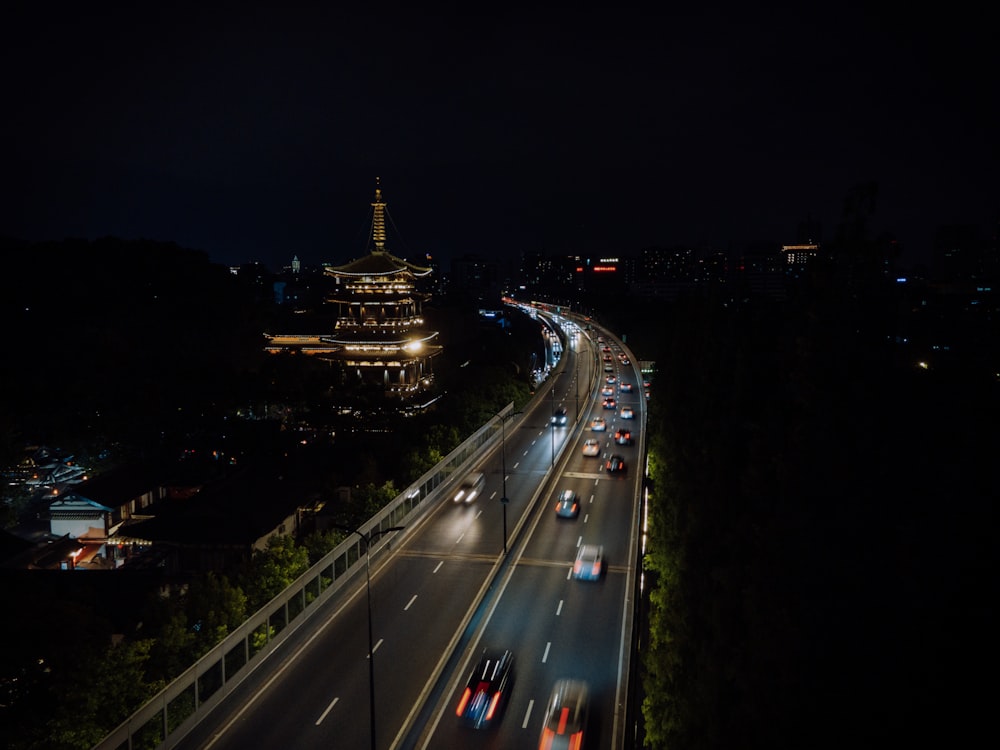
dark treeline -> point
(820, 525)
(121, 340)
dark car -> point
(486, 692)
(623, 436)
(565, 716)
(559, 417)
(567, 506)
(615, 464)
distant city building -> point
(602, 276)
(667, 272)
(960, 252)
(476, 276)
(760, 271)
(797, 257)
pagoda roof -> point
(378, 263)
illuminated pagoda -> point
(379, 337)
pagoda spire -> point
(378, 221)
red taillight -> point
(493, 706)
(576, 741)
(576, 567)
(461, 704)
(547, 737)
(563, 718)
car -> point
(612, 379)
(470, 488)
(623, 436)
(487, 689)
(623, 359)
(607, 357)
(627, 412)
(567, 506)
(559, 417)
(609, 403)
(615, 464)
(565, 716)
(589, 563)
(625, 387)
(591, 448)
(607, 391)
(608, 367)
(598, 424)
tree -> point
(215, 608)
(116, 687)
(319, 543)
(271, 571)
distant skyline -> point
(259, 135)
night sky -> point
(257, 133)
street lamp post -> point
(552, 427)
(576, 378)
(503, 470)
(368, 539)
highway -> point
(447, 590)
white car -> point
(627, 412)
(470, 488)
(598, 424)
(591, 448)
(589, 565)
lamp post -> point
(368, 539)
(503, 469)
(552, 427)
(576, 378)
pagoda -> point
(379, 337)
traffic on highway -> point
(472, 646)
